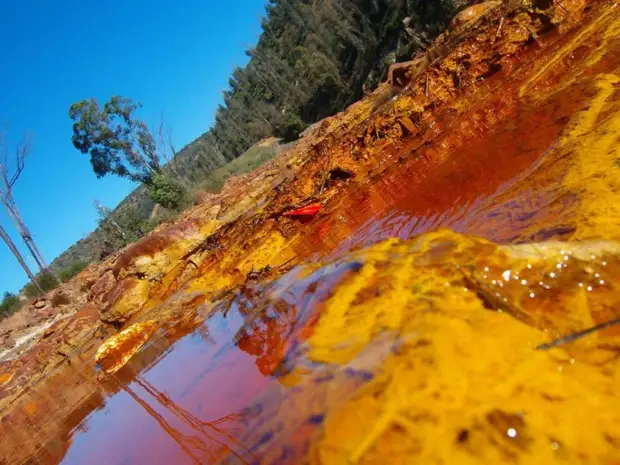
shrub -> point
(46, 280)
(60, 299)
(9, 305)
(118, 229)
(166, 191)
(70, 271)
(290, 127)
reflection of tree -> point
(200, 446)
(266, 335)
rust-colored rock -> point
(138, 257)
(40, 304)
(101, 287)
(126, 298)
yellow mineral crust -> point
(464, 381)
(114, 353)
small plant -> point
(290, 127)
(166, 191)
(70, 271)
(9, 305)
(46, 280)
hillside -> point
(87, 249)
(311, 61)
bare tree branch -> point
(8, 178)
(167, 150)
(21, 152)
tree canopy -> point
(312, 60)
(117, 142)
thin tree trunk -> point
(13, 212)
(11, 245)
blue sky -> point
(172, 56)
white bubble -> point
(512, 433)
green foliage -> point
(250, 160)
(46, 280)
(117, 142)
(9, 305)
(290, 127)
(70, 271)
(312, 60)
(167, 192)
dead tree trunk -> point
(7, 181)
(13, 212)
(11, 245)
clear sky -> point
(172, 56)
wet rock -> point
(116, 351)
(409, 127)
(124, 300)
(157, 252)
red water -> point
(459, 182)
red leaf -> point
(309, 210)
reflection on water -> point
(473, 179)
(201, 391)
(177, 411)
